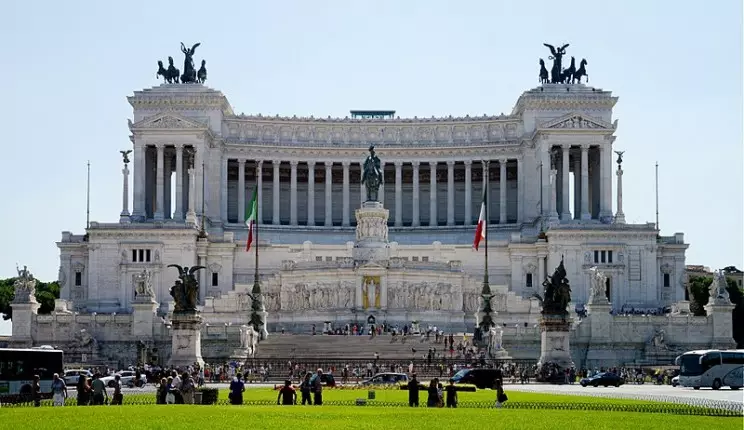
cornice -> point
(564, 97)
(176, 97)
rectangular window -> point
(141, 255)
(78, 279)
(147, 255)
(609, 257)
(215, 279)
(667, 282)
(318, 258)
(134, 256)
(603, 256)
(528, 280)
(329, 258)
(596, 256)
(414, 258)
(424, 258)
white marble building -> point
(195, 160)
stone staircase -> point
(339, 346)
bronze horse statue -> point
(568, 73)
(543, 73)
(170, 75)
(581, 71)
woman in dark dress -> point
(432, 400)
(83, 391)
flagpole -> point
(87, 202)
(486, 286)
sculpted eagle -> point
(125, 155)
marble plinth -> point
(555, 350)
(371, 232)
(186, 339)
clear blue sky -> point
(68, 66)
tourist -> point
(432, 399)
(83, 391)
(187, 389)
(305, 388)
(36, 391)
(99, 390)
(451, 394)
(318, 388)
(288, 395)
(117, 397)
(500, 395)
(413, 391)
(162, 392)
(59, 390)
(237, 387)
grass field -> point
(336, 417)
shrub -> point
(209, 395)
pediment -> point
(167, 121)
(573, 121)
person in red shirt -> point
(287, 394)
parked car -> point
(605, 379)
(72, 375)
(386, 379)
(126, 378)
(482, 378)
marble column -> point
(362, 188)
(450, 193)
(502, 191)
(124, 217)
(191, 211)
(565, 168)
(259, 196)
(328, 194)
(167, 175)
(138, 196)
(293, 193)
(311, 193)
(620, 215)
(381, 192)
(178, 215)
(553, 216)
(605, 163)
(223, 189)
(241, 191)
(577, 188)
(520, 190)
(159, 183)
(275, 212)
(398, 193)
(345, 195)
(433, 194)
(486, 165)
(468, 192)
(415, 198)
(585, 215)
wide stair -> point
(349, 347)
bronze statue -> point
(543, 72)
(567, 74)
(172, 72)
(201, 75)
(619, 156)
(557, 293)
(581, 71)
(189, 73)
(556, 70)
(185, 291)
(372, 176)
(125, 156)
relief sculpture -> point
(316, 296)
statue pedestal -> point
(500, 354)
(143, 317)
(371, 232)
(555, 351)
(240, 355)
(186, 339)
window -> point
(78, 279)
(141, 255)
(667, 282)
(329, 258)
(728, 357)
(609, 257)
(414, 258)
(602, 257)
(596, 256)
(318, 258)
(528, 280)
(215, 279)
(425, 259)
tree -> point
(699, 295)
(46, 293)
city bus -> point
(18, 367)
(711, 368)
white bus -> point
(18, 367)
(711, 368)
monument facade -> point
(367, 215)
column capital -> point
(328, 165)
(585, 146)
(450, 163)
(502, 161)
(311, 164)
(433, 164)
(160, 146)
(241, 161)
(293, 163)
(468, 162)
(179, 146)
(346, 163)
(398, 164)
(415, 164)
(259, 163)
(276, 163)
(566, 147)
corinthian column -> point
(311, 193)
(293, 193)
(345, 197)
(433, 193)
(191, 212)
(159, 183)
(450, 193)
(620, 216)
(585, 215)
(241, 191)
(124, 218)
(275, 212)
(178, 216)
(415, 205)
(398, 193)
(565, 209)
(468, 192)
(502, 191)
(328, 194)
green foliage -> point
(209, 395)
(46, 293)
(699, 295)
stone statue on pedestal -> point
(557, 293)
(185, 292)
(25, 286)
(599, 285)
(248, 339)
(718, 289)
(143, 285)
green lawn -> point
(337, 417)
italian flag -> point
(250, 219)
(480, 228)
